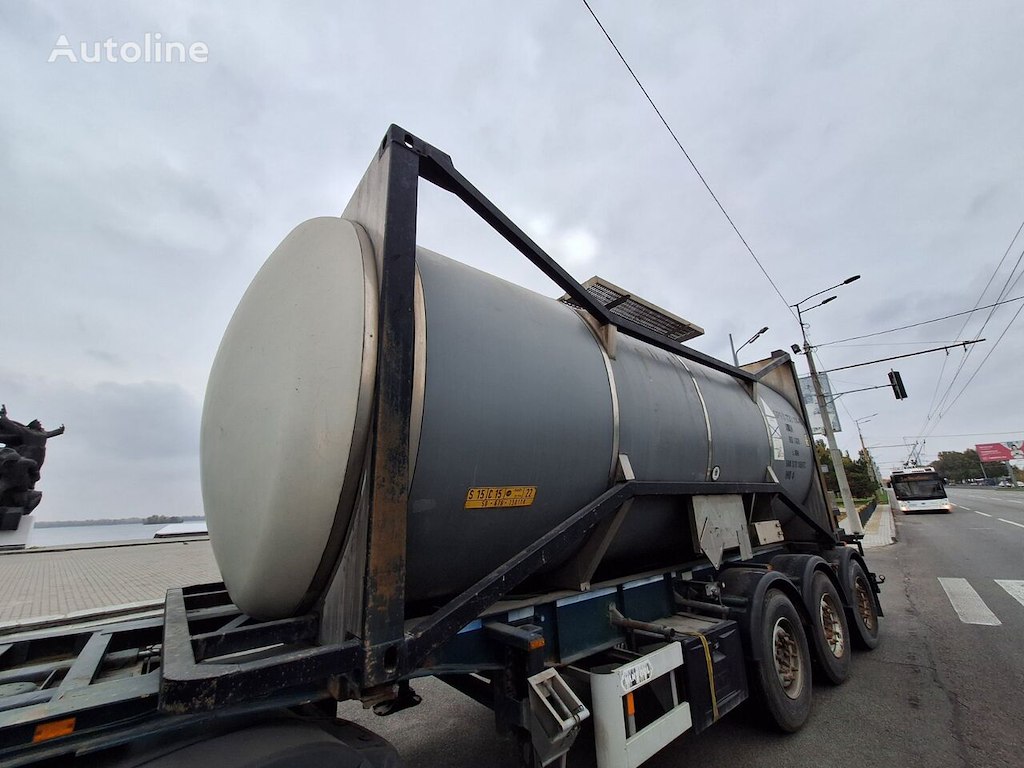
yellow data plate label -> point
(505, 496)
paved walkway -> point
(880, 530)
(57, 582)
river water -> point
(90, 534)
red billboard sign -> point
(1008, 451)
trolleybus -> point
(919, 489)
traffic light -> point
(897, 385)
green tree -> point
(958, 466)
(824, 457)
(858, 473)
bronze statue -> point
(20, 460)
(27, 439)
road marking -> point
(963, 507)
(986, 514)
(1015, 588)
(967, 603)
(1003, 520)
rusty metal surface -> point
(385, 205)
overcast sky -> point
(139, 199)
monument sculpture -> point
(20, 460)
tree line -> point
(858, 472)
(960, 466)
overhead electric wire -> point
(938, 383)
(690, 160)
(904, 343)
(982, 363)
(923, 322)
(1007, 286)
(962, 434)
(941, 407)
(993, 277)
(909, 354)
(938, 406)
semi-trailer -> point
(413, 468)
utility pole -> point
(853, 524)
(867, 455)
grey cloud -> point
(138, 421)
(105, 357)
(133, 422)
(139, 200)
(128, 449)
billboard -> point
(811, 404)
(1011, 450)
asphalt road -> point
(982, 543)
(937, 691)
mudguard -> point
(743, 592)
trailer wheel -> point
(865, 617)
(830, 632)
(783, 674)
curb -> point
(83, 616)
(106, 545)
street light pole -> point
(853, 524)
(735, 350)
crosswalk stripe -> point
(1015, 588)
(967, 603)
(1002, 520)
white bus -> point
(919, 489)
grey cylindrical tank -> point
(515, 395)
(519, 392)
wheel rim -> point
(831, 626)
(864, 606)
(786, 654)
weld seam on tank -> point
(613, 389)
(707, 419)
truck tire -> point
(864, 619)
(829, 631)
(783, 673)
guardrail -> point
(867, 510)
